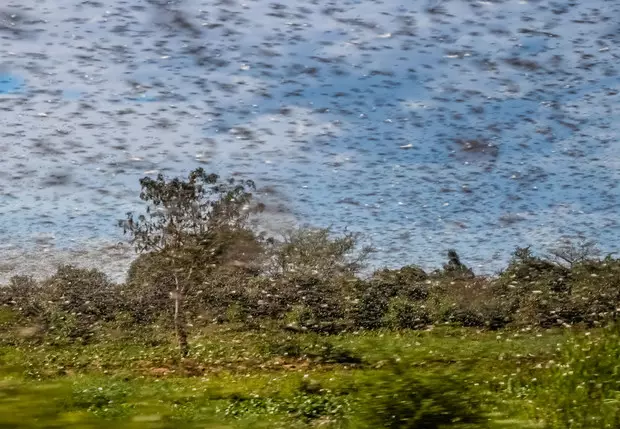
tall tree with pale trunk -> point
(189, 224)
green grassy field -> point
(234, 378)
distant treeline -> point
(201, 263)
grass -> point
(239, 378)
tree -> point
(189, 225)
(455, 267)
(571, 253)
(317, 271)
(310, 252)
(524, 266)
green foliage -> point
(23, 294)
(299, 317)
(594, 293)
(311, 347)
(371, 309)
(582, 390)
(67, 327)
(322, 300)
(54, 406)
(544, 293)
(406, 314)
(86, 293)
(468, 302)
(314, 252)
(219, 278)
(337, 354)
(7, 317)
(180, 211)
(527, 268)
(237, 313)
(530, 292)
(409, 283)
(400, 398)
(74, 300)
(304, 406)
(190, 225)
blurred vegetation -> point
(583, 388)
(217, 325)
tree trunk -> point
(179, 320)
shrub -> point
(371, 309)
(405, 314)
(75, 300)
(468, 302)
(148, 287)
(312, 347)
(299, 316)
(330, 353)
(401, 399)
(309, 302)
(408, 281)
(21, 309)
(311, 252)
(8, 318)
(23, 295)
(595, 295)
(526, 270)
(533, 289)
(543, 293)
(81, 291)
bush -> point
(23, 295)
(330, 353)
(321, 298)
(371, 309)
(525, 267)
(401, 399)
(545, 294)
(468, 302)
(75, 300)
(308, 302)
(595, 295)
(148, 287)
(405, 314)
(408, 281)
(80, 291)
(533, 289)
(312, 347)
(299, 316)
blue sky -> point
(473, 125)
